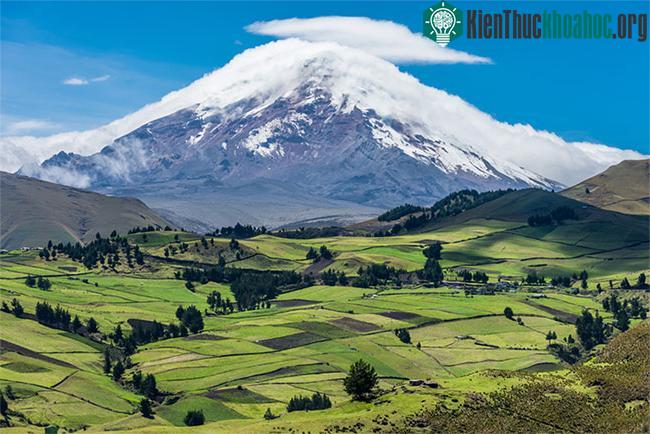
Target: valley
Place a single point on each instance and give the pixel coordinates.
(244, 364)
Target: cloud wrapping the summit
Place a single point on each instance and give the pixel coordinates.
(386, 39)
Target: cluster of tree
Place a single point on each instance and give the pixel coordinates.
(39, 282)
(625, 310)
(251, 288)
(557, 216)
(640, 283)
(145, 385)
(564, 281)
(303, 233)
(238, 231)
(139, 229)
(106, 251)
(453, 204)
(47, 254)
(190, 317)
(144, 332)
(399, 212)
(403, 335)
(551, 336)
(376, 274)
(568, 351)
(317, 255)
(171, 250)
(331, 278)
(534, 279)
(477, 276)
(57, 317)
(16, 308)
(360, 381)
(317, 401)
(194, 418)
(218, 304)
(590, 330)
(508, 313)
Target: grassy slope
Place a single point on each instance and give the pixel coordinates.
(624, 187)
(35, 211)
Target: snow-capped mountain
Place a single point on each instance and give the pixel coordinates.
(294, 130)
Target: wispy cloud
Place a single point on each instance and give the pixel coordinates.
(78, 81)
(386, 39)
(29, 126)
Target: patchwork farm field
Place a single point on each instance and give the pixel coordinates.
(245, 364)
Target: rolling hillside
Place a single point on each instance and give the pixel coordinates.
(624, 187)
(35, 211)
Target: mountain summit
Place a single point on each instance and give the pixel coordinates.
(294, 131)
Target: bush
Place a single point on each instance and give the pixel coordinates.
(194, 418)
(403, 335)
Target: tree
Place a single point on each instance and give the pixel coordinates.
(118, 371)
(433, 251)
(590, 330)
(118, 335)
(625, 284)
(403, 335)
(551, 336)
(4, 407)
(76, 324)
(107, 361)
(92, 326)
(325, 253)
(149, 388)
(9, 391)
(194, 418)
(361, 380)
(17, 308)
(145, 408)
(640, 282)
(312, 254)
(30, 281)
(508, 312)
(192, 319)
(432, 272)
(622, 320)
(268, 415)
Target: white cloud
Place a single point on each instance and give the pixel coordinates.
(78, 81)
(27, 126)
(386, 39)
(75, 81)
(100, 78)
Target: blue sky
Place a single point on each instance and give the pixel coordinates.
(134, 53)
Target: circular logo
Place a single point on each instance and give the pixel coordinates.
(442, 23)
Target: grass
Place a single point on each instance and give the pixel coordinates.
(307, 340)
(213, 409)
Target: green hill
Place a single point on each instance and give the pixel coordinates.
(35, 211)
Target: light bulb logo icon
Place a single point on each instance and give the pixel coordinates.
(442, 23)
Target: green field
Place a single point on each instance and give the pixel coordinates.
(247, 362)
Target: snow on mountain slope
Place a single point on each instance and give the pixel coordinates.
(355, 79)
